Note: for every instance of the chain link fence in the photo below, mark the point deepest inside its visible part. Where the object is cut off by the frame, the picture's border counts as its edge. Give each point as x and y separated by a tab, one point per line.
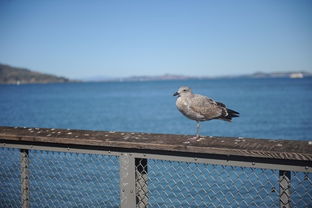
59	179
10	186
63	179
67	179
301	189
202	185
184	184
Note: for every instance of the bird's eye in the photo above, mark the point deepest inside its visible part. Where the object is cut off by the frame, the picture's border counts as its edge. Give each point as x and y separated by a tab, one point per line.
184	90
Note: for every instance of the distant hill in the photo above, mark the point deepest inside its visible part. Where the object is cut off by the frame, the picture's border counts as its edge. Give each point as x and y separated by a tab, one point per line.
15	75
160	77
182	77
299	74
254	75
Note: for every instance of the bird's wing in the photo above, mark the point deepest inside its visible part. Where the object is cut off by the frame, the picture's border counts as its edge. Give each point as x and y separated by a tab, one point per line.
207	107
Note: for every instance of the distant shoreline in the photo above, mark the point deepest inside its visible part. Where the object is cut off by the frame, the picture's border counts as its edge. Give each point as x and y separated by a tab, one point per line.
18	76
291	75
134	81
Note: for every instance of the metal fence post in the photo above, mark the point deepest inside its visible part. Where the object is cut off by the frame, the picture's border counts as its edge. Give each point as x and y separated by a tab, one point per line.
141	182
127	181
24	178
284	180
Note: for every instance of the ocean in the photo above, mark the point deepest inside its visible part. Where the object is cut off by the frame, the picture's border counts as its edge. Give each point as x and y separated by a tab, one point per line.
269	108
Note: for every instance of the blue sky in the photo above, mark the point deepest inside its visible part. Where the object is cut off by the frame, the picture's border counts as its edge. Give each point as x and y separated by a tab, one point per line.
80	38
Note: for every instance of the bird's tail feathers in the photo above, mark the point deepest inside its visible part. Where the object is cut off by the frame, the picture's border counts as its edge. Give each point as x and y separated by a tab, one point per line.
230	114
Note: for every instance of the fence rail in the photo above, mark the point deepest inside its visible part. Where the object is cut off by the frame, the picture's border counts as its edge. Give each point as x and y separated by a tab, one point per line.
77	168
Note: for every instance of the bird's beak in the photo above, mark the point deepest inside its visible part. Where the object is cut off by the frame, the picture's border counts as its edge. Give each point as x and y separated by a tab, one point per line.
175	94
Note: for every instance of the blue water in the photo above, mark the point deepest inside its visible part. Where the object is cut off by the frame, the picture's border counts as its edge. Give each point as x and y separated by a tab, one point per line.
270	108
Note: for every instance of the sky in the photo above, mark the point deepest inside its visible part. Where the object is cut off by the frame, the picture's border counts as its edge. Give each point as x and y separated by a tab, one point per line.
115	38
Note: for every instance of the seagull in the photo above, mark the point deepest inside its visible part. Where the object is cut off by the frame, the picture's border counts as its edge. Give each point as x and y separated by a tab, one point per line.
201	108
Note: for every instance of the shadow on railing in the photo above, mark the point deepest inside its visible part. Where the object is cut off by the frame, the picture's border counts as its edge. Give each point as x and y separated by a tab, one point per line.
77	168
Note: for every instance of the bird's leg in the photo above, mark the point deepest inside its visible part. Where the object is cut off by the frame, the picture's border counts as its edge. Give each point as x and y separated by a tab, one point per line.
195	138
197	129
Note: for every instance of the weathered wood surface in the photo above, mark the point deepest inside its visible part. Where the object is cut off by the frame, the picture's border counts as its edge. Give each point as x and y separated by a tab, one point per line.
245	147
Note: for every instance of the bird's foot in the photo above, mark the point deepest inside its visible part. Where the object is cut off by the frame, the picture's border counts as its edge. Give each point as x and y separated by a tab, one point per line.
192	139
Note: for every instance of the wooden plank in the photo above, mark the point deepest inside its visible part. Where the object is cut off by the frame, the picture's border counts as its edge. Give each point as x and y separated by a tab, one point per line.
245	147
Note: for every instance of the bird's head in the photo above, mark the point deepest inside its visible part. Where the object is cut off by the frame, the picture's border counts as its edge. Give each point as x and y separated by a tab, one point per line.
184	90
